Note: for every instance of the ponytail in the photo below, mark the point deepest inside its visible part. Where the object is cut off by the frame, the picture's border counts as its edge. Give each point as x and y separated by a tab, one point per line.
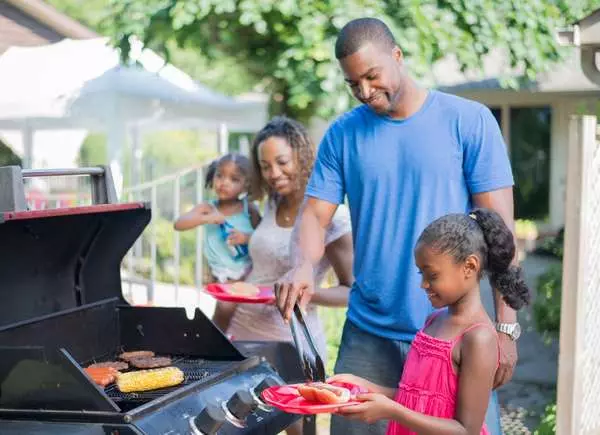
508	279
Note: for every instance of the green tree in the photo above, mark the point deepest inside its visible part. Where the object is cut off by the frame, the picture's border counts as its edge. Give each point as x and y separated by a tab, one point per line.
94	14
93	150
7	156
287	44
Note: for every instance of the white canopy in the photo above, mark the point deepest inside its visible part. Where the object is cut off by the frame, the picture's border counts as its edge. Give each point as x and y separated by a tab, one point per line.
79	84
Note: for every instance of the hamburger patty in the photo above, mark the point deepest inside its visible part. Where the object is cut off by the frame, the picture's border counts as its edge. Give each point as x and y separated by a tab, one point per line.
151	363
128	356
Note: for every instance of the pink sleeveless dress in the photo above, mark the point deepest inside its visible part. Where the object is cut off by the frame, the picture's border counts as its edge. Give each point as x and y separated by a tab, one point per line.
429	383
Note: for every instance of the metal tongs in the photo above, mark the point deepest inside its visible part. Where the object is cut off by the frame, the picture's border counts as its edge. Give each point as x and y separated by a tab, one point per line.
310	360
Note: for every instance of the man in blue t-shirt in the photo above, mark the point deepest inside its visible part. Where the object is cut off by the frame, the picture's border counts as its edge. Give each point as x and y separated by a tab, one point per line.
403	158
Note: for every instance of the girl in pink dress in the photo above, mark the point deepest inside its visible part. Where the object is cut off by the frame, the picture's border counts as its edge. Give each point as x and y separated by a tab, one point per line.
450	368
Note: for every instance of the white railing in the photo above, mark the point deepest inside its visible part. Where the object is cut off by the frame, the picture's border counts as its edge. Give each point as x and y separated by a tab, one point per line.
159	258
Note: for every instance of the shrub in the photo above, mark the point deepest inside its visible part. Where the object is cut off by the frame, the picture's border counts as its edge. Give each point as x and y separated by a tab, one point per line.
526	229
548	422
546	308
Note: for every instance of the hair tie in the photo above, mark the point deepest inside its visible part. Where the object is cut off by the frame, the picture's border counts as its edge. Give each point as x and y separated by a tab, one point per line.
473	216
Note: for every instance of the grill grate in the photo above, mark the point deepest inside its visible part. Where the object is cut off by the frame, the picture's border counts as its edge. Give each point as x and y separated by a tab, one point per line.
193	370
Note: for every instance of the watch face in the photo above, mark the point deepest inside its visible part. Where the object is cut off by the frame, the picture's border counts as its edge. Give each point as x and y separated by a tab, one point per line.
516	333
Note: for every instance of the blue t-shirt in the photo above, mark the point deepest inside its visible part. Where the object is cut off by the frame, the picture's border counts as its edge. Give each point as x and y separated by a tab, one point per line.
399	176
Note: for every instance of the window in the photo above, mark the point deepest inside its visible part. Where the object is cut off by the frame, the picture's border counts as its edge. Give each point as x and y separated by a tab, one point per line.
497	112
530	158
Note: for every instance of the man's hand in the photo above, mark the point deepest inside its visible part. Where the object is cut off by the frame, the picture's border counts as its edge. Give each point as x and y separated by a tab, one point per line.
238	238
508	360
296	286
374	407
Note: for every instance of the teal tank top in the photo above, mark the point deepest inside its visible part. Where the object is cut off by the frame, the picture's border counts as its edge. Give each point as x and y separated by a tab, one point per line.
225	261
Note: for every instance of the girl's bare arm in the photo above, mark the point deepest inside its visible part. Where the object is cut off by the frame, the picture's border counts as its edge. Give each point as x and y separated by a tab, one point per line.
202	214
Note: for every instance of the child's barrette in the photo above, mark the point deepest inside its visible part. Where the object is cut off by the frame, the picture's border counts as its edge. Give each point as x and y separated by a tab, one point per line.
473	216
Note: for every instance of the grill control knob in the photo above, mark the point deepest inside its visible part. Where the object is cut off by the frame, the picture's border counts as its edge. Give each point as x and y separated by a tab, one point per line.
257	392
266	383
240	405
209	421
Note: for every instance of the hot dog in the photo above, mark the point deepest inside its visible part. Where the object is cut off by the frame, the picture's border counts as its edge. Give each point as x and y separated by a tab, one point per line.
320	392
102	375
243	289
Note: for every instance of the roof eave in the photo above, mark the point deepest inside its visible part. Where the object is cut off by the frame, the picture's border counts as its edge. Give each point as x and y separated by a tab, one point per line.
54	19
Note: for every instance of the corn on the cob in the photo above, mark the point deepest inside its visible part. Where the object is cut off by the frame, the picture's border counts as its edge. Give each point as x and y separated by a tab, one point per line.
145	380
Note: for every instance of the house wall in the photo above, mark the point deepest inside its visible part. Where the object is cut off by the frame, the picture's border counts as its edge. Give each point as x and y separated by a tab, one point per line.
563	106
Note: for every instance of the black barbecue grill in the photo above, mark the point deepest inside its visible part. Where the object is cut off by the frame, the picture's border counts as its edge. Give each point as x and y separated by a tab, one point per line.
62	309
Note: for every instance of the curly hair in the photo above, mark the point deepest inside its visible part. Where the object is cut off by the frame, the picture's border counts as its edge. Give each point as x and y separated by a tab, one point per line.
483	233
241	161
302	146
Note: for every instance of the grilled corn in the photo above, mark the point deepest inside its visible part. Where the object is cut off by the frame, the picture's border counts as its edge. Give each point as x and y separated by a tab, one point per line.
145	380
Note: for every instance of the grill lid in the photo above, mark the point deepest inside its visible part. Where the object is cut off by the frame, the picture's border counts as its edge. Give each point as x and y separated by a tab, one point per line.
55	260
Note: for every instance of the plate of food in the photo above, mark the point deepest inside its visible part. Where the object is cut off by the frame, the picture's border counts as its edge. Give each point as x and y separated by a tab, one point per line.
241	292
312	397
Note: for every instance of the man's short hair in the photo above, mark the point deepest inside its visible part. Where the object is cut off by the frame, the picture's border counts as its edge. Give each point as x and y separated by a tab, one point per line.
361	31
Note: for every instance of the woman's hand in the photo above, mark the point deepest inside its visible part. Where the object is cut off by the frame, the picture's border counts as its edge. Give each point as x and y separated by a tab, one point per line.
374	407
238	238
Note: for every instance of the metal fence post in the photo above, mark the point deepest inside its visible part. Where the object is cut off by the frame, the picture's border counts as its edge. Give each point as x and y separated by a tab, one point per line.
199	272
153	244
176	235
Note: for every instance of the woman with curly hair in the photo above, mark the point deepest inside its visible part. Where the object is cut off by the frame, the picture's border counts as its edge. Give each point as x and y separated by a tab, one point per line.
282	157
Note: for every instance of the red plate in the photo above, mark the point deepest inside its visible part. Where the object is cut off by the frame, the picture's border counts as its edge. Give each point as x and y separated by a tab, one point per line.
219	291
287	398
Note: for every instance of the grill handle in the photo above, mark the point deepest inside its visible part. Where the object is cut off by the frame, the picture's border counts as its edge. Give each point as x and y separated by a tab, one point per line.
103	186
12	190
29	173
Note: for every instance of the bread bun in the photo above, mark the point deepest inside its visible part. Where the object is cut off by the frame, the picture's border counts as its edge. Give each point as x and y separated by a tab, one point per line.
320	392
243	289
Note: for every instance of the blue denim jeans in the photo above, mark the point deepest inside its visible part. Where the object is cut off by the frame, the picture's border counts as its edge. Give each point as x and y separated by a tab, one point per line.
381	361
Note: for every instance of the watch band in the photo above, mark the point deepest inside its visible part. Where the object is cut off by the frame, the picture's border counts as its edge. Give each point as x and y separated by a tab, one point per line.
510	329
504	327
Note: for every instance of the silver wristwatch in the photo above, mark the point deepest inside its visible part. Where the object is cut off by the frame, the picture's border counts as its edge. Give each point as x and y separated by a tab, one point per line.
513	330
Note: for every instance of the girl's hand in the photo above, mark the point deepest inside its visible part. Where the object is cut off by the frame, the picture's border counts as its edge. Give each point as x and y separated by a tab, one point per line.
374	407
238	238
216	218
356	380
210	214
205	208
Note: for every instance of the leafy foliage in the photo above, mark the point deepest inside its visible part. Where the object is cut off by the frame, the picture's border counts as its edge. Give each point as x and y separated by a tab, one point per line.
548	422
287	45
94	14
7	156
91	13
546	308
